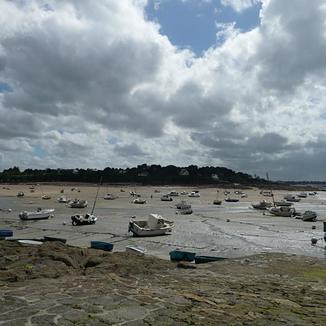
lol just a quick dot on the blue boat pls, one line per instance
(106, 246)
(179, 255)
(5, 233)
(207, 259)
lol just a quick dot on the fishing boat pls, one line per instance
(77, 203)
(39, 214)
(231, 200)
(283, 211)
(262, 205)
(207, 259)
(180, 255)
(80, 219)
(106, 246)
(166, 198)
(140, 251)
(154, 226)
(139, 201)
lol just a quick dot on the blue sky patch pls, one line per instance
(192, 24)
(39, 151)
(4, 87)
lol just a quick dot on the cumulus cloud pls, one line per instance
(83, 72)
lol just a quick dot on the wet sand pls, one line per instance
(230, 230)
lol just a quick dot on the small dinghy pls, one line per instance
(63, 200)
(40, 214)
(166, 198)
(217, 202)
(262, 205)
(136, 250)
(30, 242)
(309, 216)
(5, 234)
(110, 197)
(106, 246)
(20, 194)
(231, 200)
(80, 219)
(139, 201)
(77, 203)
(180, 255)
(46, 197)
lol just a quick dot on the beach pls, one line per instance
(229, 230)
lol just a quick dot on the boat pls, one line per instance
(139, 201)
(106, 246)
(194, 194)
(166, 198)
(226, 192)
(174, 193)
(180, 255)
(77, 203)
(30, 242)
(48, 238)
(302, 195)
(284, 211)
(63, 199)
(207, 259)
(155, 225)
(183, 193)
(88, 218)
(309, 216)
(217, 202)
(46, 197)
(140, 251)
(5, 234)
(182, 205)
(110, 197)
(262, 205)
(283, 203)
(291, 198)
(231, 200)
(39, 214)
(185, 211)
(267, 193)
(20, 194)
(80, 219)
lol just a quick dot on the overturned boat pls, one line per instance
(39, 214)
(154, 226)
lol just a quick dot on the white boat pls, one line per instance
(291, 198)
(77, 203)
(110, 197)
(166, 198)
(174, 193)
(139, 201)
(194, 194)
(155, 225)
(140, 251)
(40, 214)
(46, 197)
(80, 219)
(63, 199)
(183, 193)
(302, 195)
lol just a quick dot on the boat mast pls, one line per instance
(98, 188)
(267, 176)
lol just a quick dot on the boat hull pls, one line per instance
(106, 246)
(180, 255)
(207, 259)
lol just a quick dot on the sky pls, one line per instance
(234, 83)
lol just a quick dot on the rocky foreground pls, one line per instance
(54, 284)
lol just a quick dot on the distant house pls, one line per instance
(184, 172)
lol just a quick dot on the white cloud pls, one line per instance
(83, 72)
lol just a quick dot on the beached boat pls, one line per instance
(184, 193)
(185, 211)
(182, 205)
(46, 197)
(207, 259)
(194, 194)
(283, 203)
(166, 198)
(174, 193)
(180, 255)
(102, 245)
(139, 201)
(20, 194)
(80, 219)
(217, 202)
(267, 193)
(63, 199)
(309, 216)
(39, 214)
(291, 198)
(262, 205)
(155, 225)
(5, 234)
(77, 203)
(110, 197)
(140, 251)
(231, 200)
(302, 195)
(283, 211)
